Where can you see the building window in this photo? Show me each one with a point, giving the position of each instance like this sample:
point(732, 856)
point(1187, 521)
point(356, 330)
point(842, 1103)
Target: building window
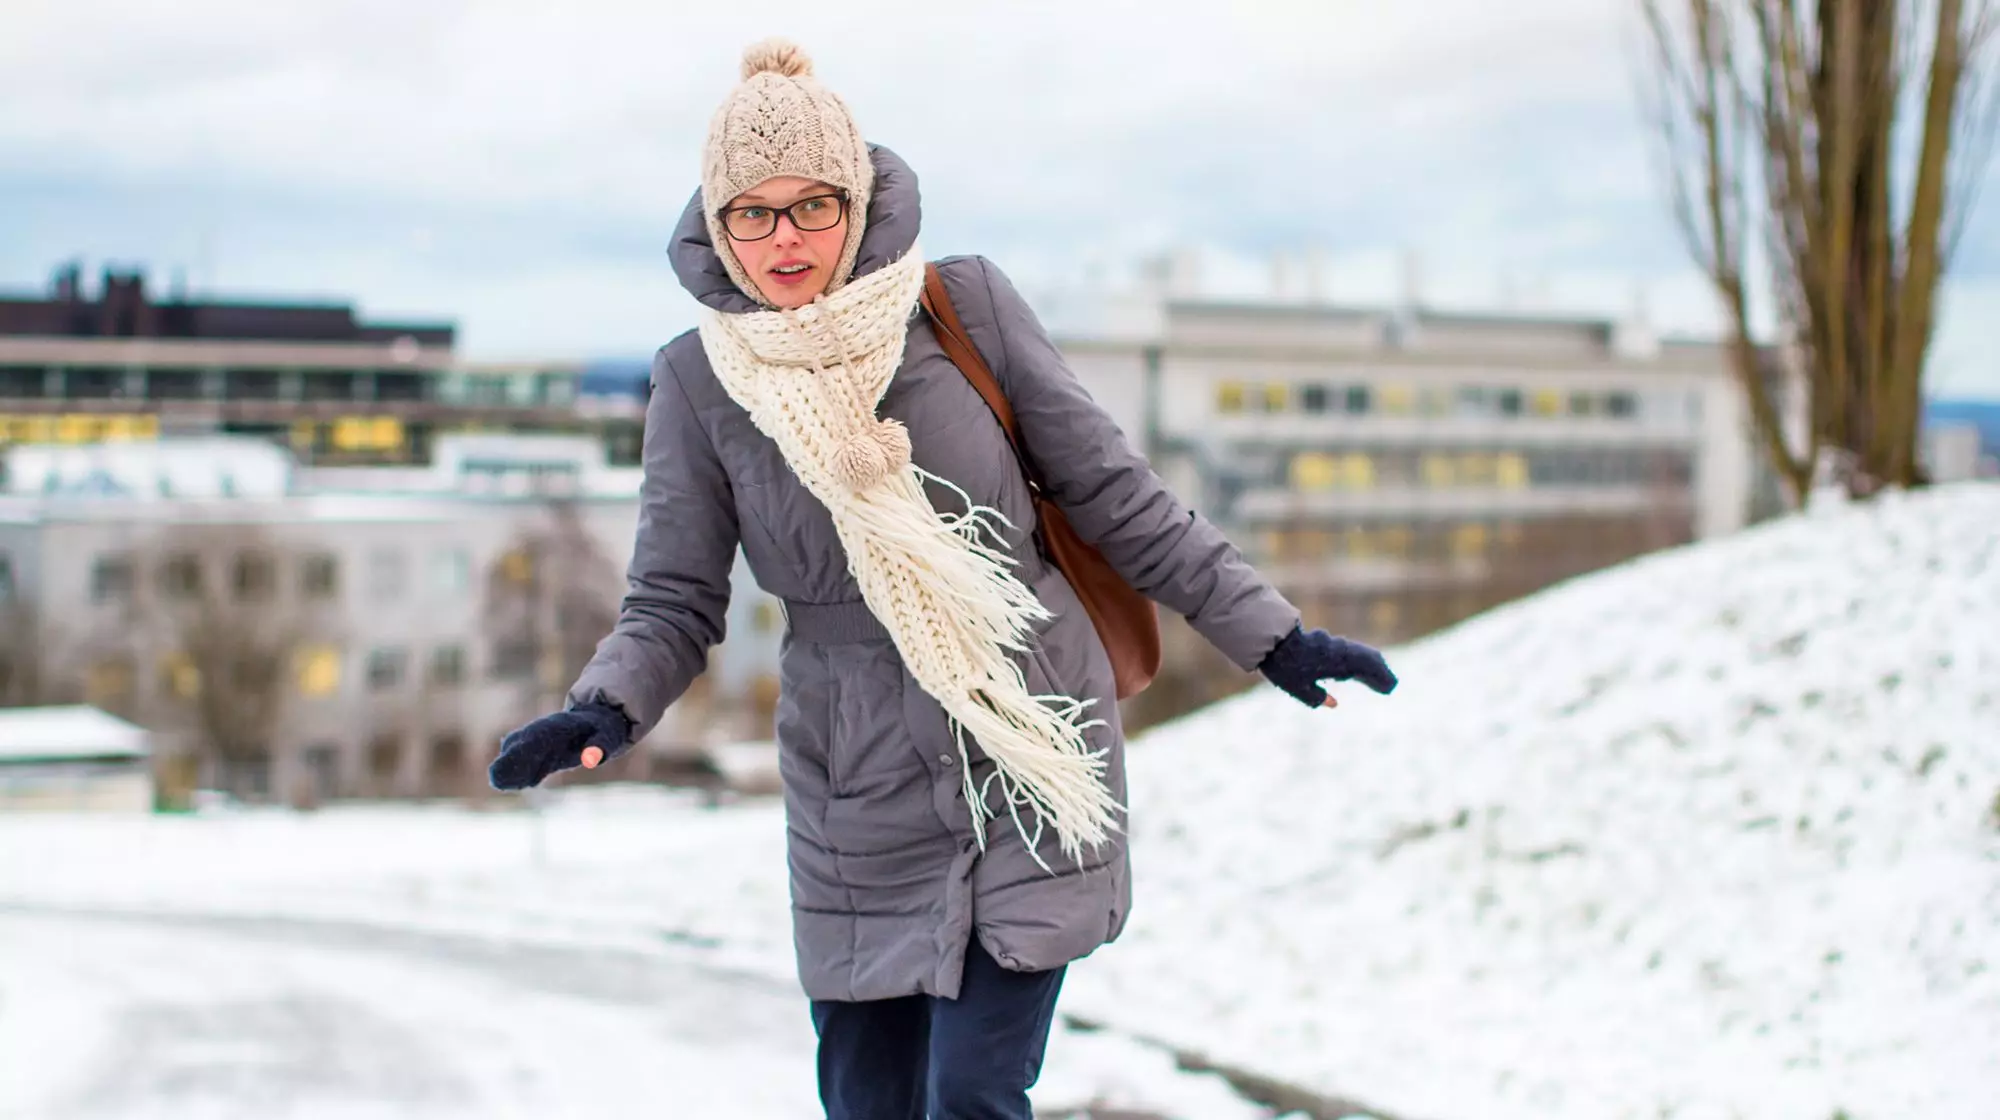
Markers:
point(319, 576)
point(1475, 468)
point(1620, 405)
point(1510, 470)
point(1438, 471)
point(179, 677)
point(1229, 396)
point(513, 660)
point(1509, 401)
point(256, 576)
point(1313, 398)
point(1436, 400)
point(451, 571)
point(1582, 404)
point(387, 575)
point(1468, 541)
point(319, 670)
point(447, 756)
point(1547, 402)
point(247, 775)
point(1397, 400)
point(1357, 471)
point(180, 576)
point(323, 770)
point(385, 668)
point(448, 666)
point(517, 567)
point(1276, 395)
point(110, 579)
point(1474, 400)
point(385, 756)
point(1315, 470)
point(1357, 399)
point(6, 579)
point(108, 681)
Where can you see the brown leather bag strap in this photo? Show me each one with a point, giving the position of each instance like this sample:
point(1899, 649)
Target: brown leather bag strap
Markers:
point(958, 347)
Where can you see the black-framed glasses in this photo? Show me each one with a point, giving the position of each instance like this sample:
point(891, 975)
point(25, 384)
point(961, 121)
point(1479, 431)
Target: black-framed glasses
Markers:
point(808, 215)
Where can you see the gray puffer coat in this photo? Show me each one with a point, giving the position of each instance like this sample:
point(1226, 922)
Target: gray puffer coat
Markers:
point(887, 883)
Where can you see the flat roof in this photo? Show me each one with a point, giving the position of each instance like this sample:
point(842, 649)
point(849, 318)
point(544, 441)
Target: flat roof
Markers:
point(67, 732)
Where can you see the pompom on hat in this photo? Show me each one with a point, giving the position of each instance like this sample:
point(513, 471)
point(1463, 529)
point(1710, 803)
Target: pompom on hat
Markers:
point(779, 120)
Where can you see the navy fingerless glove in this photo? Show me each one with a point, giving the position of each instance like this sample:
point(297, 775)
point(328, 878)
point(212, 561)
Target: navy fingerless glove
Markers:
point(555, 742)
point(1306, 657)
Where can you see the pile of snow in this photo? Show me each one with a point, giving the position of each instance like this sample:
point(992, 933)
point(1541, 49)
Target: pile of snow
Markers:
point(1711, 834)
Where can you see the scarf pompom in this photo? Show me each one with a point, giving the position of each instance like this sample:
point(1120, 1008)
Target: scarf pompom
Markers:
point(878, 451)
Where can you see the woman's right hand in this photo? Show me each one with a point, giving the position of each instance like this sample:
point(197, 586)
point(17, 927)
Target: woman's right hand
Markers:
point(584, 736)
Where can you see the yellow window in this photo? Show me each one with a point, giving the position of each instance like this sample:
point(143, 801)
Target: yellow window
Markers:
point(1511, 470)
point(386, 433)
point(1437, 401)
point(1398, 400)
point(1383, 615)
point(1358, 471)
point(1547, 402)
point(1360, 544)
point(353, 433)
point(1229, 396)
point(76, 429)
point(1396, 541)
point(145, 427)
point(516, 566)
point(108, 681)
point(319, 670)
point(1276, 396)
point(35, 429)
point(118, 429)
point(305, 433)
point(1475, 468)
point(1313, 470)
point(179, 676)
point(1469, 540)
point(1438, 471)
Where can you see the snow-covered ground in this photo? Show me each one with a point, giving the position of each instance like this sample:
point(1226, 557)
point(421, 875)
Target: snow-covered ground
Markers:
point(1710, 835)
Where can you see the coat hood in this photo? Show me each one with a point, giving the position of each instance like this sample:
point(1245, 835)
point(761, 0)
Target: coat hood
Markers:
point(894, 215)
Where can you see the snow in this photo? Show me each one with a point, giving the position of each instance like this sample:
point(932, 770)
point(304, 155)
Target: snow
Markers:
point(1709, 835)
point(67, 732)
point(1712, 834)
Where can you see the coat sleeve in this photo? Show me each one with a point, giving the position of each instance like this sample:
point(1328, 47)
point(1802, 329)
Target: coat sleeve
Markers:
point(1162, 547)
point(677, 595)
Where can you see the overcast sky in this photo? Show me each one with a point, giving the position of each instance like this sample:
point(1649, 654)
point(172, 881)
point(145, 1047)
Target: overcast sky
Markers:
point(517, 167)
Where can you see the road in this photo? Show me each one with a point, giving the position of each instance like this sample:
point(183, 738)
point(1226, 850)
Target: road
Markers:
point(112, 1017)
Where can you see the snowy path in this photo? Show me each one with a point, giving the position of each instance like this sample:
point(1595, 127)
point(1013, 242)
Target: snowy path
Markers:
point(119, 1017)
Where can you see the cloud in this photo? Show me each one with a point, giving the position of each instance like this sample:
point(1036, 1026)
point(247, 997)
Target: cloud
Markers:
point(519, 166)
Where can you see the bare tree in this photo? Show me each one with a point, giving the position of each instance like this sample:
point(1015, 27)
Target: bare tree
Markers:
point(550, 597)
point(1786, 129)
point(36, 663)
point(213, 614)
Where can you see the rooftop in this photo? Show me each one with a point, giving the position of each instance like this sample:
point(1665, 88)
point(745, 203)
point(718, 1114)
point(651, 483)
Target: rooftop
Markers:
point(67, 733)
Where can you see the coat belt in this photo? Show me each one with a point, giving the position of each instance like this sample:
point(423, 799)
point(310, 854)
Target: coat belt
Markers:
point(833, 624)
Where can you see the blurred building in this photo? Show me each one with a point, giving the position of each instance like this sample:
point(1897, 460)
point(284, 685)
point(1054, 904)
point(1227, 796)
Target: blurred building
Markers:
point(305, 633)
point(73, 758)
point(1961, 439)
point(117, 364)
point(1397, 470)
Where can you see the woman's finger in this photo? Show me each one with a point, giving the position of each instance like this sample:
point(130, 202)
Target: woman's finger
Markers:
point(1330, 702)
point(592, 756)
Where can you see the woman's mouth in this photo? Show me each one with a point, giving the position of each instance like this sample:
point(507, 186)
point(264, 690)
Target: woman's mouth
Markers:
point(790, 272)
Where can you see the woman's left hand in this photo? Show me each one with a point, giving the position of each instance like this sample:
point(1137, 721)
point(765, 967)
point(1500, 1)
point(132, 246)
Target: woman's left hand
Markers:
point(1306, 657)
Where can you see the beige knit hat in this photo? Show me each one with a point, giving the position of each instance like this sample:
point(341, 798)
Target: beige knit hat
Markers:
point(780, 121)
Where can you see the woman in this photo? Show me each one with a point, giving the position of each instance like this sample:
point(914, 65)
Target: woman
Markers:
point(952, 759)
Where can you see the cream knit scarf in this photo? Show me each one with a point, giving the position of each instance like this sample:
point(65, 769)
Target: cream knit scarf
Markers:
point(811, 380)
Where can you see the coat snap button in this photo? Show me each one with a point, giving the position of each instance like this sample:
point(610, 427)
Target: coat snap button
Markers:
point(947, 759)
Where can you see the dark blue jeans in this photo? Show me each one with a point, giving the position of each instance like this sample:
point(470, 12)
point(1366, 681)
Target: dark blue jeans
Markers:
point(922, 1058)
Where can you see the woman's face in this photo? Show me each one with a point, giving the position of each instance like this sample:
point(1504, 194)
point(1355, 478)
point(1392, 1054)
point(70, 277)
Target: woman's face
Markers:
point(788, 264)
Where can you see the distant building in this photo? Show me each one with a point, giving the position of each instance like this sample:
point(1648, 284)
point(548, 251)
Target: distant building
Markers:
point(1396, 470)
point(73, 758)
point(425, 610)
point(1961, 439)
point(120, 365)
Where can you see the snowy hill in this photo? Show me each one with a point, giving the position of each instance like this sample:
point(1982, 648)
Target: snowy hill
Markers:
point(1708, 835)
